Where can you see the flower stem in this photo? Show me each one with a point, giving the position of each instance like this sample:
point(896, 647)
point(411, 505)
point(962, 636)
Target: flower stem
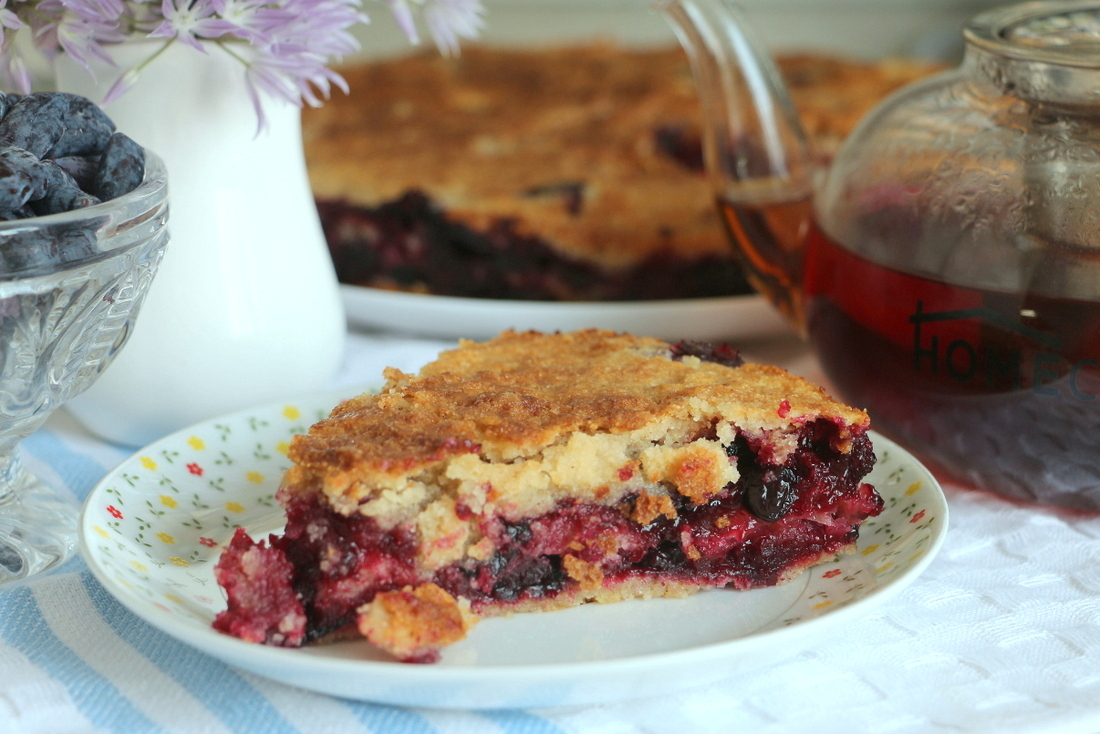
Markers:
point(141, 67)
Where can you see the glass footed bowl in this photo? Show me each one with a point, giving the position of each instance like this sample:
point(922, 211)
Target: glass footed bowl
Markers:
point(71, 285)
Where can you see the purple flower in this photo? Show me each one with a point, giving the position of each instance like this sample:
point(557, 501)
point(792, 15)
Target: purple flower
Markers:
point(189, 20)
point(447, 20)
point(77, 27)
point(285, 46)
point(9, 20)
point(450, 20)
point(238, 12)
point(402, 13)
point(13, 70)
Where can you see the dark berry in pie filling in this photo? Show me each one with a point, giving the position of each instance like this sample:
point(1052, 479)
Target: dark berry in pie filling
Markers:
point(721, 353)
point(342, 562)
point(771, 493)
point(411, 243)
point(682, 145)
point(571, 193)
point(746, 537)
point(263, 604)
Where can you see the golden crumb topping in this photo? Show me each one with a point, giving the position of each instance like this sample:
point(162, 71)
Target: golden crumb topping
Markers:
point(524, 420)
point(648, 508)
point(411, 623)
point(832, 95)
point(594, 148)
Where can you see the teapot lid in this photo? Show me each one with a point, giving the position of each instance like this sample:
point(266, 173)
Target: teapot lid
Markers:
point(1045, 51)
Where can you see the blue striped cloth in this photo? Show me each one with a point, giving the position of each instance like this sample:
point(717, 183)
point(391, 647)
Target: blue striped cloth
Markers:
point(1001, 634)
point(72, 659)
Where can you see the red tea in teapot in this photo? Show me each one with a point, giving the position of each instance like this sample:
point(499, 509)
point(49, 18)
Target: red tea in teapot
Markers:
point(1001, 389)
point(947, 272)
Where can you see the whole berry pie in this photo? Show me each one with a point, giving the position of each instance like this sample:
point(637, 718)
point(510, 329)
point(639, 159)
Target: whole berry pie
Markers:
point(569, 173)
point(537, 471)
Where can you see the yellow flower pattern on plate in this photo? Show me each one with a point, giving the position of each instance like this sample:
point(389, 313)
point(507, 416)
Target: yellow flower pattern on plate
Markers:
point(158, 522)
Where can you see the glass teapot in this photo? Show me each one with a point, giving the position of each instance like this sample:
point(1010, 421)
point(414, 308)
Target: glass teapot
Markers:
point(945, 266)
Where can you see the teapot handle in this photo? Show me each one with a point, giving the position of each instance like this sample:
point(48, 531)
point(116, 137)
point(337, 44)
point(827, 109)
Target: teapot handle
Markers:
point(755, 150)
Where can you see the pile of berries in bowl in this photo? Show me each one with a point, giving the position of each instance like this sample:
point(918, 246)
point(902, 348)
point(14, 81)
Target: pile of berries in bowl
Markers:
point(83, 226)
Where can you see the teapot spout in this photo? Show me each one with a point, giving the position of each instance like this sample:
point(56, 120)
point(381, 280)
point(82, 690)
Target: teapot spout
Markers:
point(755, 150)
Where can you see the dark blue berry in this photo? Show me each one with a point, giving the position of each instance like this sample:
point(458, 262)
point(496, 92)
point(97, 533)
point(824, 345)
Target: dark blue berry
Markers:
point(16, 186)
point(62, 193)
point(738, 447)
point(49, 245)
point(7, 101)
point(667, 556)
point(22, 212)
point(721, 353)
point(766, 490)
point(35, 122)
point(25, 249)
point(121, 168)
point(519, 532)
point(81, 168)
point(23, 160)
point(35, 130)
point(770, 494)
point(532, 576)
point(77, 241)
point(87, 129)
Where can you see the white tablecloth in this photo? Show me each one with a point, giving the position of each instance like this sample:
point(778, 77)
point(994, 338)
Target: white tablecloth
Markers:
point(1000, 634)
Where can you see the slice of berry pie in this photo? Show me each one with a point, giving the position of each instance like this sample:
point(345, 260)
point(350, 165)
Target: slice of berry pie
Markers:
point(542, 471)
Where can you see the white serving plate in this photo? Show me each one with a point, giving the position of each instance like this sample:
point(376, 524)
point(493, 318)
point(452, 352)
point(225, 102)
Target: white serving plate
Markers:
point(154, 527)
point(735, 317)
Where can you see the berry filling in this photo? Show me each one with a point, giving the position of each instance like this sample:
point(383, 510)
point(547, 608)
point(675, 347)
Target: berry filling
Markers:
point(708, 352)
point(410, 243)
point(682, 145)
point(776, 520)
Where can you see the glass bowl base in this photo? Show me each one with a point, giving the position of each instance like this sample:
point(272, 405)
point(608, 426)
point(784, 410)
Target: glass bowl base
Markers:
point(37, 529)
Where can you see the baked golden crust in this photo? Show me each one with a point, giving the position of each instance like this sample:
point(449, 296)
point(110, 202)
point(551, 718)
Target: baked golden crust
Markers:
point(480, 133)
point(541, 417)
point(561, 141)
point(413, 623)
point(832, 95)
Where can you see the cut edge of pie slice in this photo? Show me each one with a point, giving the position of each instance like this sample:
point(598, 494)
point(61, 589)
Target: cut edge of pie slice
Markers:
point(542, 471)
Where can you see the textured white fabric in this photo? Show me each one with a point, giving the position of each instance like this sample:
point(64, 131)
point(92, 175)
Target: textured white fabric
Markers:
point(1000, 634)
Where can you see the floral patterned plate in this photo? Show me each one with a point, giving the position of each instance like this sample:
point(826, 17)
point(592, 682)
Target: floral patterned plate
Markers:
point(152, 531)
